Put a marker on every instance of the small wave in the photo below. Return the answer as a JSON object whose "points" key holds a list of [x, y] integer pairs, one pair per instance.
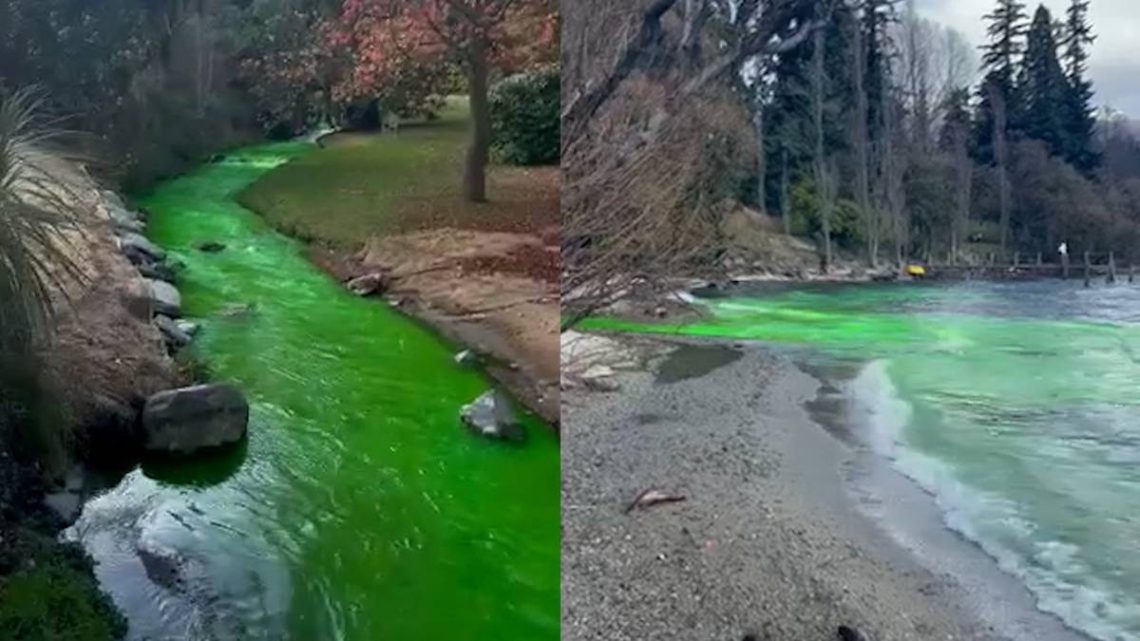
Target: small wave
{"points": [[1053, 571]]}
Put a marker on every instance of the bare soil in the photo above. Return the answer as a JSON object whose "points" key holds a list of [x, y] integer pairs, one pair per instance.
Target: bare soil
{"points": [[496, 292]]}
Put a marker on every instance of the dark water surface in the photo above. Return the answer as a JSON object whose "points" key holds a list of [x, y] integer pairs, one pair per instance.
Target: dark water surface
{"points": [[359, 509]]}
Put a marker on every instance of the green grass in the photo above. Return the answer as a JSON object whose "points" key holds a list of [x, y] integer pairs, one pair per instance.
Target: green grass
{"points": [[48, 593], [368, 184]]}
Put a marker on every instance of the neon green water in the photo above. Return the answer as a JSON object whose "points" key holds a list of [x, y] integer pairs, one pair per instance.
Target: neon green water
{"points": [[1016, 405], [360, 508]]}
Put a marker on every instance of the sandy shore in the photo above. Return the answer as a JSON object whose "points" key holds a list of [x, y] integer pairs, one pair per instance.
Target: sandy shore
{"points": [[773, 539]]}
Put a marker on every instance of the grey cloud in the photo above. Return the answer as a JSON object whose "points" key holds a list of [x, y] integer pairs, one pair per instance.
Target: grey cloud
{"points": [[1115, 64]]}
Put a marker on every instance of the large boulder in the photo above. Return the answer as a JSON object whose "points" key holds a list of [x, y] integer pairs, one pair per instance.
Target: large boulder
{"points": [[491, 416], [182, 421], [165, 298]]}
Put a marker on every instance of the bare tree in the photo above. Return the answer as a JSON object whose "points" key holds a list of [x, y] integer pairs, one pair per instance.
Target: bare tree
{"points": [[1001, 156], [869, 215], [916, 39], [893, 171], [959, 62], [785, 203], [963, 178], [824, 178], [761, 159], [643, 137]]}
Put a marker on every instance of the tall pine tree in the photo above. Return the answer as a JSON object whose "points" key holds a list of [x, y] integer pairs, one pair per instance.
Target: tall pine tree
{"points": [[999, 60], [1078, 117], [788, 127], [878, 17], [1043, 87]]}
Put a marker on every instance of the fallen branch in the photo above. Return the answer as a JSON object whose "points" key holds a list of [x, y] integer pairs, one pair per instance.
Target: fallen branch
{"points": [[651, 497]]}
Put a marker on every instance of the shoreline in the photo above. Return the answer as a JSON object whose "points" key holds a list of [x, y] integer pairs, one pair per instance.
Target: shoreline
{"points": [[520, 369], [779, 533]]}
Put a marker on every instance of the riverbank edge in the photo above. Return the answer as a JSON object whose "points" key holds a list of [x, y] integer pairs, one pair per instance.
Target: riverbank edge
{"points": [[106, 316], [805, 557], [496, 358]]}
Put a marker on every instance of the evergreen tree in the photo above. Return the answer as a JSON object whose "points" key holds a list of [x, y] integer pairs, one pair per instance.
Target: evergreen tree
{"points": [[956, 121], [1042, 86], [1078, 114], [878, 16], [999, 60], [787, 115]]}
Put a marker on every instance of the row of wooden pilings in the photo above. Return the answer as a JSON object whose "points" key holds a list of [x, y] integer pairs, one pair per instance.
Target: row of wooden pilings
{"points": [[1110, 276]]}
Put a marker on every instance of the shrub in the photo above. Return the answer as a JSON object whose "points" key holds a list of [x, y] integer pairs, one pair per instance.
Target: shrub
{"points": [[525, 118], [39, 203], [845, 224], [48, 593]]}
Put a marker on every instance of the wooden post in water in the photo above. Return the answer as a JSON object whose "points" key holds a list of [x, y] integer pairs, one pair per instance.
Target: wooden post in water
{"points": [[1065, 266], [1111, 278], [1016, 259], [1088, 268], [1039, 263]]}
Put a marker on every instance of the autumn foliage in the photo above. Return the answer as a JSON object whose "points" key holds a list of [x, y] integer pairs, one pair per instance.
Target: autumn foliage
{"points": [[388, 41]]}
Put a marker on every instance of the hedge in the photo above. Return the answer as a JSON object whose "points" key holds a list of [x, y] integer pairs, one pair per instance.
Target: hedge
{"points": [[524, 118]]}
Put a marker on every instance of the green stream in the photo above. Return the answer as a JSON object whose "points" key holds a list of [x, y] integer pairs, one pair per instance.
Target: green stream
{"points": [[359, 509], [1017, 406]]}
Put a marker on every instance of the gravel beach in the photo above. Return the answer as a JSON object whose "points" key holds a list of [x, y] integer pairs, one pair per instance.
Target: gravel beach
{"points": [[769, 542]]}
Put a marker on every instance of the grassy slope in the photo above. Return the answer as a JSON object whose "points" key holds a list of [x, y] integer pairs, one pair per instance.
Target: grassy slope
{"points": [[362, 185]]}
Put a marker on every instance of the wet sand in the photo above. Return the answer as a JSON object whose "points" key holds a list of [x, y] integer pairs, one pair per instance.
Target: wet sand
{"points": [[786, 530]]}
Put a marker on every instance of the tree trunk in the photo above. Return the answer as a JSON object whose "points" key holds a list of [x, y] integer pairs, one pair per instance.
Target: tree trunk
{"points": [[965, 177], [475, 170], [761, 160], [862, 182], [999, 107], [785, 204], [822, 179]]}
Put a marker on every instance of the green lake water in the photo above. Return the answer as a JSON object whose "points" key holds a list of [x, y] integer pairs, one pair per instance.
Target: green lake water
{"points": [[1016, 406], [360, 509]]}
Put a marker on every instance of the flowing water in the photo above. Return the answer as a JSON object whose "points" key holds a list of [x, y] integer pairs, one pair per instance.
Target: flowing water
{"points": [[359, 508], [1017, 406]]}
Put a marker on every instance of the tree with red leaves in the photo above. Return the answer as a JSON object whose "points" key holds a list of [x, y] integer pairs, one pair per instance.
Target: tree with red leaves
{"points": [[390, 39]]}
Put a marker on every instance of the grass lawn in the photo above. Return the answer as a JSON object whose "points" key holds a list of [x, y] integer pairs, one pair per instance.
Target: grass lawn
{"points": [[369, 184]]}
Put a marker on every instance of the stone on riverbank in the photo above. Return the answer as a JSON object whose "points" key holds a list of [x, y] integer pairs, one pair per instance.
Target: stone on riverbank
{"points": [[157, 271], [491, 416], [182, 421], [372, 284], [466, 358], [132, 244], [189, 327], [210, 247], [171, 332], [65, 505], [124, 221], [165, 298]]}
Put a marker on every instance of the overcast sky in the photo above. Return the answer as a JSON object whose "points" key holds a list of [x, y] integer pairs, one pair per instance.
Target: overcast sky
{"points": [[1115, 62]]}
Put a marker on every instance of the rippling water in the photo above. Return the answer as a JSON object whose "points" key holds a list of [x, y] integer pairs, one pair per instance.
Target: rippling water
{"points": [[359, 509], [1016, 405]]}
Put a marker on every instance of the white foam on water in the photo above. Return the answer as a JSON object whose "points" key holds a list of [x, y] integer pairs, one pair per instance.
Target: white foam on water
{"points": [[1060, 582]]}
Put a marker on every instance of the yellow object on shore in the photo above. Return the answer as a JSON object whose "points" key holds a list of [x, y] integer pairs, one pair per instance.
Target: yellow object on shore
{"points": [[915, 270]]}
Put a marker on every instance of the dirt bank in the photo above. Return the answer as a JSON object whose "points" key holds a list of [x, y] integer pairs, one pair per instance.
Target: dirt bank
{"points": [[104, 359], [495, 292]]}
